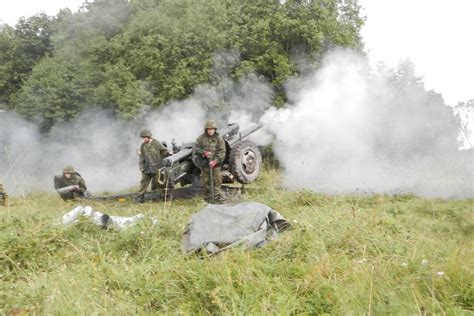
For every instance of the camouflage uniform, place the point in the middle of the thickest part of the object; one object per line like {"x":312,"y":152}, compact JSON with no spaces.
{"x":61,"y":182}
{"x":151,"y":157}
{"x":216,"y":146}
{"x":3,"y":196}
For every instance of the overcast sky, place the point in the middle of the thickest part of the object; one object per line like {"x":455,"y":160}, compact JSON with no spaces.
{"x":435,"y":35}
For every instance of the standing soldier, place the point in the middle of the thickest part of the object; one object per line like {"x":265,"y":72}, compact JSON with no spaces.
{"x":151,"y":155}
{"x":208,"y":155}
{"x":70,"y":185}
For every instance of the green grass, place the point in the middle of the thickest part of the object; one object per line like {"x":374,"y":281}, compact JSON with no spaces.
{"x":344,"y":255}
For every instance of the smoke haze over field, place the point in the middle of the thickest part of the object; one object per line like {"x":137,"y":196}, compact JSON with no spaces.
{"x":352,"y":129}
{"x":347,"y":128}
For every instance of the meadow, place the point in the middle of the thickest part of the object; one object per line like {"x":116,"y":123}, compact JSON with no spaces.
{"x":344,"y":255}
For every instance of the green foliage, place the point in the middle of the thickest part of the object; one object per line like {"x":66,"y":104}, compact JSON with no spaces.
{"x":121,"y":90}
{"x":58,"y":89}
{"x":344,"y":255}
{"x":21,"y":47}
{"x":123,"y":55}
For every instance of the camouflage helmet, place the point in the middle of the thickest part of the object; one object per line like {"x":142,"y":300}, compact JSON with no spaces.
{"x":145,"y":133}
{"x":68,"y":169}
{"x":210,"y":124}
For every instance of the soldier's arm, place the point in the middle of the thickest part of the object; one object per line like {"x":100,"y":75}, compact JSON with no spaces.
{"x":196,"y":150}
{"x":199,"y":148}
{"x":141,"y":159}
{"x":82,"y":184}
{"x":220,"y":152}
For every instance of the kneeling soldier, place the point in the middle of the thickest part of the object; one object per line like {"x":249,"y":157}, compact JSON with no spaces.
{"x":70,"y":185}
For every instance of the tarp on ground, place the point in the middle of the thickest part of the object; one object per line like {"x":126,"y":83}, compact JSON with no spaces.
{"x":219,"y":227}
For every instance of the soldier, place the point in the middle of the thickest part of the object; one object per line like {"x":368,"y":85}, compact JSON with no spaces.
{"x":209,"y":154}
{"x":3,"y":196}
{"x":151,"y":155}
{"x":70,"y":185}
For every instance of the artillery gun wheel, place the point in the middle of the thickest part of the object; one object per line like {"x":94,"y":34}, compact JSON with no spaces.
{"x":245,"y":161}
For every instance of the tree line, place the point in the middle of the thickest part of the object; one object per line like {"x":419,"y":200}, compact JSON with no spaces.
{"x":124,"y":55}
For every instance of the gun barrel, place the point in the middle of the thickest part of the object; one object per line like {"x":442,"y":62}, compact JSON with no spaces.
{"x":252,"y":129}
{"x":185,"y":152}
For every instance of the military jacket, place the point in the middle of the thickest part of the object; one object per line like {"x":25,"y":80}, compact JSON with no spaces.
{"x":61,"y":182}
{"x":76,"y":179}
{"x":151,"y":156}
{"x":215,"y":144}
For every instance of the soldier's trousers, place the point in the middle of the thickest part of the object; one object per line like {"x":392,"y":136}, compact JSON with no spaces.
{"x":146,"y":179}
{"x":217,"y":179}
{"x":71,"y":196}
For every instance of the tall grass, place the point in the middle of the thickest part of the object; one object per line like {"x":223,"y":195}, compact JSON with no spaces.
{"x":344,"y":255}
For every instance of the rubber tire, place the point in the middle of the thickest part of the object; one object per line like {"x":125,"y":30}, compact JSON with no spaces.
{"x":245,"y":173}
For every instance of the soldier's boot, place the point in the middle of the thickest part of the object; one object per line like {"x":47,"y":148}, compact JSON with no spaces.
{"x":140,"y":198}
{"x":220,"y":198}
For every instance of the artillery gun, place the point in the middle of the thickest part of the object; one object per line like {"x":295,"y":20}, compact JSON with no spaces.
{"x":242,"y":164}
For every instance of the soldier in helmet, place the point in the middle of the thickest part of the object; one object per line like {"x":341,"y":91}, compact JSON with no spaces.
{"x":151,"y":155}
{"x":70,"y":185}
{"x":209,"y":154}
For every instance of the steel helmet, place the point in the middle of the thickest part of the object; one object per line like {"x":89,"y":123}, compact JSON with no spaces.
{"x":68,"y":169}
{"x":210,"y":124}
{"x":145,"y":133}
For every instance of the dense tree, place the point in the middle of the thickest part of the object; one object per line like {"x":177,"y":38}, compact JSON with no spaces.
{"x":20,"y":48}
{"x":124,"y":55}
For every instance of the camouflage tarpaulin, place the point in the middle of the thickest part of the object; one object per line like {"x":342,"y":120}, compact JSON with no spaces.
{"x":219,"y":227}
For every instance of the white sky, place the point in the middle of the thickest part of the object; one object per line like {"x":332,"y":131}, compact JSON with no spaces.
{"x":435,"y":35}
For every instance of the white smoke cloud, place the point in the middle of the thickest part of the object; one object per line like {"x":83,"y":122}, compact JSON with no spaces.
{"x":346,"y":129}
{"x":350,"y":129}
{"x":100,"y":147}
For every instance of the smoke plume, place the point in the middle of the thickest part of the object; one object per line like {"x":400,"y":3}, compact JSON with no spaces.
{"x":351,"y":129}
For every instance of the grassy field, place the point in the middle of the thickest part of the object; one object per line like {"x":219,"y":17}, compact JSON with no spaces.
{"x":345,"y":255}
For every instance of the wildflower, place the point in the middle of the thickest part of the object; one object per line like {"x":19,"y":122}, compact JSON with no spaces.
{"x":404,"y":264}
{"x":440,"y":273}
{"x":424,"y":262}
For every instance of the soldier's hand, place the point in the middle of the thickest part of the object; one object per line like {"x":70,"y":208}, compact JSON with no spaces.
{"x":207,"y":154}
{"x":213,"y":163}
